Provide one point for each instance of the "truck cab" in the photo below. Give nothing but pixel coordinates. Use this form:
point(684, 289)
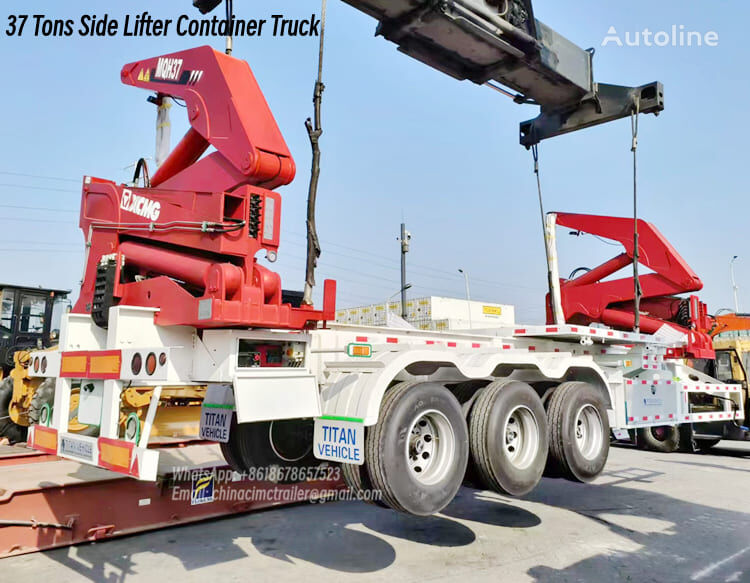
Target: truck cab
point(29, 318)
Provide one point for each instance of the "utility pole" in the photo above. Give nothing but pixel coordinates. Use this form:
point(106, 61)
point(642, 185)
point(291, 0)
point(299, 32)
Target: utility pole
point(468, 294)
point(404, 240)
point(734, 284)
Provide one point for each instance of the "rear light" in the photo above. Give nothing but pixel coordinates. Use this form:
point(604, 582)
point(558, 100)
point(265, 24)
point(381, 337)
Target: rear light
point(44, 364)
point(136, 364)
point(163, 358)
point(36, 364)
point(151, 363)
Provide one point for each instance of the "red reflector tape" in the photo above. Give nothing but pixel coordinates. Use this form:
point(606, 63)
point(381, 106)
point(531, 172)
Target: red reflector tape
point(476, 345)
point(392, 340)
point(451, 344)
point(521, 331)
point(361, 338)
point(551, 329)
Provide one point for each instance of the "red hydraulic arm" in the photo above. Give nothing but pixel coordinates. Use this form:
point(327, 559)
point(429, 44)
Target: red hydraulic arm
point(186, 243)
point(589, 298)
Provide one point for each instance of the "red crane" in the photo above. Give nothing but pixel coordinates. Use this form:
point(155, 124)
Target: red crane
point(590, 297)
point(187, 241)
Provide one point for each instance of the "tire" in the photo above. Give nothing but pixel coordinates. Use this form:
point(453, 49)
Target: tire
point(418, 450)
point(231, 450)
point(508, 437)
point(464, 392)
point(273, 449)
point(662, 438)
point(578, 432)
point(13, 432)
point(704, 445)
point(44, 395)
point(357, 478)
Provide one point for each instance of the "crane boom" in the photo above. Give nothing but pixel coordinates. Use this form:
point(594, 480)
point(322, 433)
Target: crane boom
point(501, 41)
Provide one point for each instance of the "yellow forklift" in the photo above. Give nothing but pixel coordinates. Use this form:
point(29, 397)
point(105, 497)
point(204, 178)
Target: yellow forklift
point(29, 320)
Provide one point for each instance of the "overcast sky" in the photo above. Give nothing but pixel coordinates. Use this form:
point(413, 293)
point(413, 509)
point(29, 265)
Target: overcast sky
point(401, 141)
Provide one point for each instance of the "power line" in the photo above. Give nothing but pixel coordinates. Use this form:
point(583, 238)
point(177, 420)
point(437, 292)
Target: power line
point(419, 269)
point(20, 242)
point(70, 251)
point(44, 188)
point(36, 208)
point(34, 220)
point(39, 176)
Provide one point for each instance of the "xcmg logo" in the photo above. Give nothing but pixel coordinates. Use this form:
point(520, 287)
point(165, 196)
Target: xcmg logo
point(140, 205)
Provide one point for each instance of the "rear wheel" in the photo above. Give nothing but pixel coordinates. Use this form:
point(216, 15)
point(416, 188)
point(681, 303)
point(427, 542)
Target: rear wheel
point(662, 438)
point(13, 432)
point(231, 449)
point(508, 436)
point(274, 451)
point(357, 478)
point(578, 431)
point(418, 450)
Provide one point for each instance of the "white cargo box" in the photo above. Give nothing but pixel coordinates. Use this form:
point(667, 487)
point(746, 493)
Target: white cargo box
point(433, 313)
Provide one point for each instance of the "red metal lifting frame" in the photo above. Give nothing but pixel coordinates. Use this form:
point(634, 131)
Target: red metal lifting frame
point(187, 243)
point(588, 298)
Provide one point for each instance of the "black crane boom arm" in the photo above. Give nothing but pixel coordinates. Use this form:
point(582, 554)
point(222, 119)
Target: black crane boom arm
point(501, 41)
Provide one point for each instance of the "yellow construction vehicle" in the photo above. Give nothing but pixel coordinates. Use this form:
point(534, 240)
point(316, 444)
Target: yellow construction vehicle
point(29, 320)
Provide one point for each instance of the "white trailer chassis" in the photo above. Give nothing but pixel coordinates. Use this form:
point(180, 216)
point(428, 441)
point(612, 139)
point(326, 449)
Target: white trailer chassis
point(341, 373)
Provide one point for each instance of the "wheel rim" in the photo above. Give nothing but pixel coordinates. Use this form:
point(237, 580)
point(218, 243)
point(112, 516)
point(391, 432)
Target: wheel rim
point(521, 435)
point(430, 447)
point(133, 428)
point(589, 432)
point(290, 440)
point(45, 415)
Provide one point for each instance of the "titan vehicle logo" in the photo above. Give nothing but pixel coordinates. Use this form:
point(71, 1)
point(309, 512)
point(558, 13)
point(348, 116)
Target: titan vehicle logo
point(168, 69)
point(140, 205)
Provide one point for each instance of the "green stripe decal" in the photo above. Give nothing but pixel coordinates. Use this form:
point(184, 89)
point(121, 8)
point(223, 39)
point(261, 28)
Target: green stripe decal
point(216, 406)
point(335, 418)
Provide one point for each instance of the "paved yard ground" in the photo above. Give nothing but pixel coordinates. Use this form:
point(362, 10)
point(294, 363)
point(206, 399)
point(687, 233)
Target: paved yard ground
point(649, 517)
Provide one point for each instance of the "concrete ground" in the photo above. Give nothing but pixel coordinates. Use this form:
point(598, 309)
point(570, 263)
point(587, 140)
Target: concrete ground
point(649, 517)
